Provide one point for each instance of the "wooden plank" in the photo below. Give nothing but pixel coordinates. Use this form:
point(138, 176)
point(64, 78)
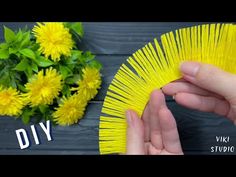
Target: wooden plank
point(197, 132)
point(125, 38)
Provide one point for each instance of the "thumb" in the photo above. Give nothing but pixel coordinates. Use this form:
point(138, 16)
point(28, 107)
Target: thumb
point(135, 134)
point(210, 78)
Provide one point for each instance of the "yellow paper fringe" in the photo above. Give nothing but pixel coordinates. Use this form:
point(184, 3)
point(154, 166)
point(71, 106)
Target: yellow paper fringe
point(156, 65)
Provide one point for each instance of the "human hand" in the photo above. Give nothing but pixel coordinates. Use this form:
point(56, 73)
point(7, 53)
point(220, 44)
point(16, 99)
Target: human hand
point(205, 88)
point(156, 132)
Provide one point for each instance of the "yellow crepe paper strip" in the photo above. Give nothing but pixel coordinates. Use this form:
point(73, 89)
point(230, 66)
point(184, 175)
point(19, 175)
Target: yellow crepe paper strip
point(156, 65)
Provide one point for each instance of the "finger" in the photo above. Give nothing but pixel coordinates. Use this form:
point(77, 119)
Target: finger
point(135, 134)
point(202, 103)
point(210, 78)
point(157, 101)
point(170, 135)
point(175, 87)
point(152, 150)
point(146, 122)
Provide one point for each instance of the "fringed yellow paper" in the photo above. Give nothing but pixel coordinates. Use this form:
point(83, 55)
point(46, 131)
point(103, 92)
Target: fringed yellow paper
point(156, 65)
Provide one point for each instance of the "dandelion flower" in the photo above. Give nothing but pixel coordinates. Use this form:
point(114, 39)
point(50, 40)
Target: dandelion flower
point(91, 82)
point(54, 39)
point(70, 110)
point(11, 102)
point(42, 89)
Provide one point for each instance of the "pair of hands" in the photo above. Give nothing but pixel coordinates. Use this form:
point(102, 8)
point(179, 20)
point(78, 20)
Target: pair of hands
point(203, 87)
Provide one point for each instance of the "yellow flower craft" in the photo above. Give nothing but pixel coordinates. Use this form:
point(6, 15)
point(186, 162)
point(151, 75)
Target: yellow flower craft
point(54, 39)
point(44, 87)
point(70, 110)
point(11, 102)
point(90, 83)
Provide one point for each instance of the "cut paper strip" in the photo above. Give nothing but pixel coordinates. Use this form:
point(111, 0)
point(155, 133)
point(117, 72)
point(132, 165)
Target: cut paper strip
point(156, 65)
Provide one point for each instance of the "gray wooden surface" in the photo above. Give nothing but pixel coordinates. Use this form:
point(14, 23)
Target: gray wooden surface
point(113, 43)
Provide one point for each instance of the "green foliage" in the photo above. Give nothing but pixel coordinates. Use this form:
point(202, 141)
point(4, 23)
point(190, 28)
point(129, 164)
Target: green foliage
point(27, 114)
point(76, 28)
point(4, 53)
point(88, 59)
point(9, 35)
point(43, 62)
point(23, 65)
point(27, 53)
point(65, 71)
point(20, 59)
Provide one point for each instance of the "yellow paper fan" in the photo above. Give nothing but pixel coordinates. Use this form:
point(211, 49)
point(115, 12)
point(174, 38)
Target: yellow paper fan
point(156, 65)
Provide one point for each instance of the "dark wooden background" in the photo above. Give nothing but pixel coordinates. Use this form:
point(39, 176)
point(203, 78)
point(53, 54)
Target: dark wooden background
point(113, 43)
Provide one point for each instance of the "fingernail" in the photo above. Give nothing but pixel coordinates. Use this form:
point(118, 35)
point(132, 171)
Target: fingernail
point(189, 68)
point(128, 117)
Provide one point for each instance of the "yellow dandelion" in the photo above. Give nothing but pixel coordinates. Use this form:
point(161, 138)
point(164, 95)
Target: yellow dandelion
point(42, 89)
point(54, 39)
point(91, 82)
point(70, 110)
point(11, 102)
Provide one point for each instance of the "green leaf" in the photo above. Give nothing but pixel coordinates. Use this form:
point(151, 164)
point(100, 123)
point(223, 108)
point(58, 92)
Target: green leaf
point(70, 81)
point(75, 54)
point(9, 35)
point(12, 51)
point(65, 71)
point(22, 88)
point(4, 54)
point(48, 117)
point(13, 82)
point(73, 80)
point(43, 108)
point(25, 42)
point(3, 68)
point(77, 27)
point(72, 61)
point(28, 53)
point(34, 67)
point(4, 46)
point(17, 76)
point(26, 115)
point(5, 79)
point(71, 66)
point(29, 72)
point(19, 36)
point(86, 57)
point(23, 65)
point(96, 64)
point(43, 62)
point(65, 91)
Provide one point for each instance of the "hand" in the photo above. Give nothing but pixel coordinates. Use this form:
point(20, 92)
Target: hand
point(205, 88)
point(156, 132)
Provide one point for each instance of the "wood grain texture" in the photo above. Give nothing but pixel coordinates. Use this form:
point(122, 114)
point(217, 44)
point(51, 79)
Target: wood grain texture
point(113, 43)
